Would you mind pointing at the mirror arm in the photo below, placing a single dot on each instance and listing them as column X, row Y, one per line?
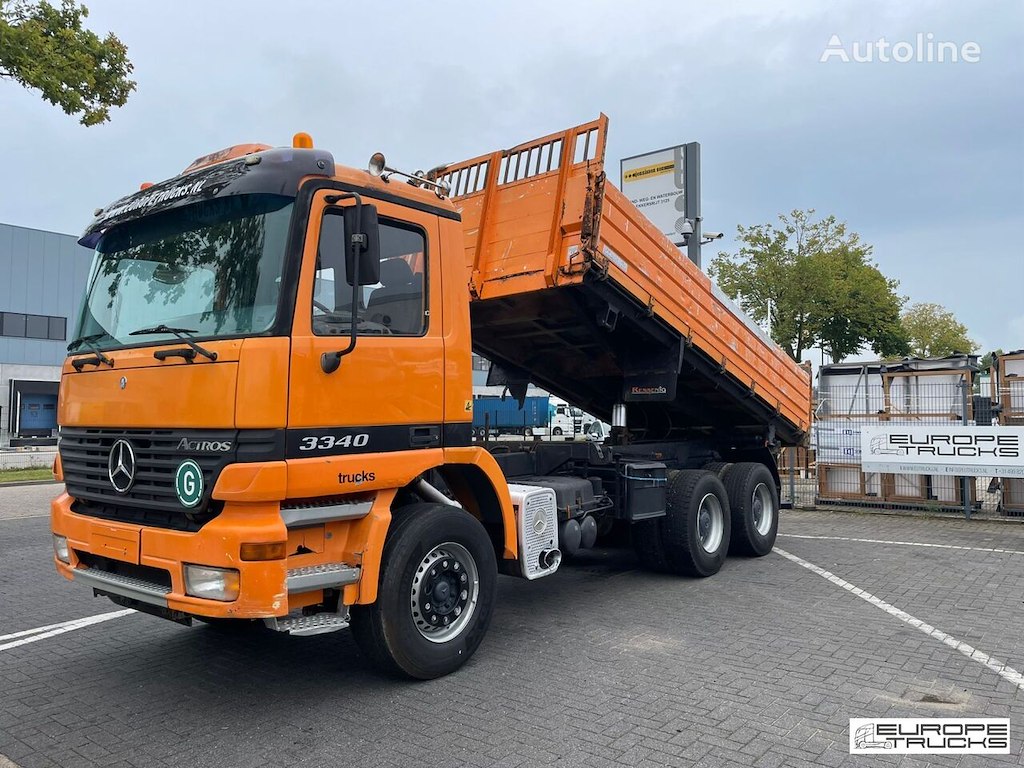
column 331, row 361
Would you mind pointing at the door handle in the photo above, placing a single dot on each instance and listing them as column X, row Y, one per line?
column 423, row 437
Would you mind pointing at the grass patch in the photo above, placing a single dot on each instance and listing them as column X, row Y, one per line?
column 20, row 475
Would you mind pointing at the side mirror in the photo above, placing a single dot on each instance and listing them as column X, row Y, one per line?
column 364, row 233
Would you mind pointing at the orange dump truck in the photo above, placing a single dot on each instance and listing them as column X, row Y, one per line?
column 266, row 411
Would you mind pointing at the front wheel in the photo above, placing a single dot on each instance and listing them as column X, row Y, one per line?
column 436, row 594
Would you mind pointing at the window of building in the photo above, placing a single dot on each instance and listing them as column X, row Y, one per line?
column 37, row 326
column 481, row 363
column 395, row 306
column 18, row 325
column 13, row 324
column 58, row 328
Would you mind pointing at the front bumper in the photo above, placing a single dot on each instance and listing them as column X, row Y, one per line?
column 331, row 543
column 154, row 558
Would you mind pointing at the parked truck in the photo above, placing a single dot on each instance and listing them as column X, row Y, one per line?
column 494, row 415
column 267, row 407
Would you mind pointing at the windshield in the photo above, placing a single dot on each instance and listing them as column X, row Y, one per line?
column 213, row 268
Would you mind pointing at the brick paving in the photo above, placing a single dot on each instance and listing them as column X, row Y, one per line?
column 600, row 665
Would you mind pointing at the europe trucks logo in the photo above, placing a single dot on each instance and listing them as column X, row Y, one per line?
column 930, row 735
column 938, row 449
column 1005, row 446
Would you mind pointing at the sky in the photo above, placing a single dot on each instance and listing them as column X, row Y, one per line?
column 925, row 160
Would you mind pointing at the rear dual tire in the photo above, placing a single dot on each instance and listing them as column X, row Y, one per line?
column 692, row 539
column 754, row 502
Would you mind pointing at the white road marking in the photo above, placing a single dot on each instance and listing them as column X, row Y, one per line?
column 6, row 762
column 999, row 667
column 52, row 630
column 903, row 543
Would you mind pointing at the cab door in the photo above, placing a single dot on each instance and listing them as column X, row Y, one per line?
column 387, row 394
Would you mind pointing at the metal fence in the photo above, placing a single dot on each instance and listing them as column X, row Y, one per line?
column 829, row 472
column 24, row 456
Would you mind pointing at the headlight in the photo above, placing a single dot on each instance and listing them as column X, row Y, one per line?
column 211, row 583
column 60, row 548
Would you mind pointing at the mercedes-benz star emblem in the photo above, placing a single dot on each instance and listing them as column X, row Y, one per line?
column 121, row 466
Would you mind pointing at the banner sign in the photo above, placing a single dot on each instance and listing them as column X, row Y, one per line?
column 656, row 184
column 936, row 449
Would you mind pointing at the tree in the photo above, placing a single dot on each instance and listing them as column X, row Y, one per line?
column 46, row 48
column 986, row 361
column 935, row 332
column 822, row 288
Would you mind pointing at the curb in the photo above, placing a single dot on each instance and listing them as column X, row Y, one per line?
column 21, row 483
column 918, row 513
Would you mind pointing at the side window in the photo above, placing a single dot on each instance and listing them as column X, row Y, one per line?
column 394, row 306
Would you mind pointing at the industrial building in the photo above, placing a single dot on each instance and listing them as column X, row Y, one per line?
column 42, row 281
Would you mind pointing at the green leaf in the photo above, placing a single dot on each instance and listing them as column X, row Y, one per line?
column 934, row 331
column 821, row 285
column 46, row 48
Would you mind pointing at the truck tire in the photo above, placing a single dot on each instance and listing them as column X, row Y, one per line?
column 695, row 531
column 647, row 543
column 557, row 431
column 436, row 593
column 754, row 501
column 718, row 468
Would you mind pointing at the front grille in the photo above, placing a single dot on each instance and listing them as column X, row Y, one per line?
column 85, row 454
column 152, row 499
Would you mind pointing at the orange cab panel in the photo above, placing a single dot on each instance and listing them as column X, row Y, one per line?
column 171, row 395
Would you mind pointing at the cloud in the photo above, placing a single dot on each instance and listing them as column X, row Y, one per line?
column 924, row 160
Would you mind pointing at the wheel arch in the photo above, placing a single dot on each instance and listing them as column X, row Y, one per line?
column 477, row 483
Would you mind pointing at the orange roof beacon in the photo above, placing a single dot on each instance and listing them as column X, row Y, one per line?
column 266, row 411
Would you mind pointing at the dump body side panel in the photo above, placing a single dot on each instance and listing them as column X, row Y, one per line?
column 574, row 286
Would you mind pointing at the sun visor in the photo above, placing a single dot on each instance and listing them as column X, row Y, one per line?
column 273, row 171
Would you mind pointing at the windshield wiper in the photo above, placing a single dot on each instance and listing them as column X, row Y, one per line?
column 89, row 340
column 181, row 334
column 98, row 356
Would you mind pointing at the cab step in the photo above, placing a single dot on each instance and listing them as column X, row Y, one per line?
column 303, row 626
column 325, row 576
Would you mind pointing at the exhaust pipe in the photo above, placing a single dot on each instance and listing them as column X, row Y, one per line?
column 550, row 558
column 427, row 491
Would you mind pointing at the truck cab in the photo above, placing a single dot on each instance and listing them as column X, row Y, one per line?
column 197, row 486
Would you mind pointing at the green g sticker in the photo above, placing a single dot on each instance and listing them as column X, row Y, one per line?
column 188, row 482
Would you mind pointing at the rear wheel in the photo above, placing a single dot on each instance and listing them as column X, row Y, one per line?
column 754, row 501
column 693, row 537
column 436, row 594
column 697, row 527
column 718, row 468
